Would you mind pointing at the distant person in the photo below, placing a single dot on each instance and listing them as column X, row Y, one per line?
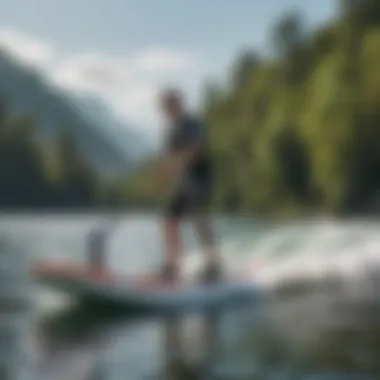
column 188, row 163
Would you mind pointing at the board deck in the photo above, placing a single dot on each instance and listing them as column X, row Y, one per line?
column 147, row 291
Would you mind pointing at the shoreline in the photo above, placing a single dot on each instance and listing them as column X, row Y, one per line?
column 270, row 216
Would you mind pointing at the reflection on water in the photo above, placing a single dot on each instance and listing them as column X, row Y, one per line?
column 303, row 330
column 179, row 364
column 310, row 326
column 78, row 333
column 14, row 312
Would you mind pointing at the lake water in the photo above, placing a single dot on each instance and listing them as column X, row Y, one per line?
column 267, row 340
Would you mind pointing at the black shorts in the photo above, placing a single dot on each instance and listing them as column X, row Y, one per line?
column 191, row 199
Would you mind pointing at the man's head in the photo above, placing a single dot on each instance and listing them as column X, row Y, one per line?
column 171, row 103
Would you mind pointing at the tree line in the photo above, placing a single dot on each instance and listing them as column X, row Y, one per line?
column 300, row 131
column 297, row 131
column 36, row 174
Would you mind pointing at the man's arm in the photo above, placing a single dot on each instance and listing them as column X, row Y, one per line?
column 173, row 164
column 183, row 157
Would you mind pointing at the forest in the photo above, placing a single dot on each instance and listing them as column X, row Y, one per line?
column 301, row 131
column 297, row 131
column 37, row 175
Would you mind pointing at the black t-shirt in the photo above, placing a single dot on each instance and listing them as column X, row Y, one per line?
column 181, row 136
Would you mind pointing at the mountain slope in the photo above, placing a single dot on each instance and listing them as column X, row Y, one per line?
column 109, row 145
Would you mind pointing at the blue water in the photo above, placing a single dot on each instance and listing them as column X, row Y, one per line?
column 268, row 252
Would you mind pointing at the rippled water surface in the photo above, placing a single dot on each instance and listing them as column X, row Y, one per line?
column 320, row 316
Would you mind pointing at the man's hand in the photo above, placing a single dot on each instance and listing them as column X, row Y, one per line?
column 179, row 161
column 166, row 171
column 169, row 169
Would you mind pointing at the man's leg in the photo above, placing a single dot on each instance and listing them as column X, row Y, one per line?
column 172, row 238
column 196, row 204
column 172, row 246
column 206, row 237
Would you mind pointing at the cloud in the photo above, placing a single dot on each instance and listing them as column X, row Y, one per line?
column 128, row 84
column 138, row 103
column 93, row 72
column 163, row 60
column 26, row 48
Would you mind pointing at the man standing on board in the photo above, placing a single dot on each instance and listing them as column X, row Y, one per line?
column 188, row 161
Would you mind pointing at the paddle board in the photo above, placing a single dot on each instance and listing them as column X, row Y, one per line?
column 145, row 291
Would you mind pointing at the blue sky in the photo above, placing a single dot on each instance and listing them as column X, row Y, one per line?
column 123, row 50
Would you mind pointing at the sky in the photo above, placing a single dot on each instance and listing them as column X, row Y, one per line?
column 124, row 51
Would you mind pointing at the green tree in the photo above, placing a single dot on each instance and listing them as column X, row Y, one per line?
column 77, row 181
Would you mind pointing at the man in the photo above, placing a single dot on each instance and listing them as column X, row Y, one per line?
column 188, row 161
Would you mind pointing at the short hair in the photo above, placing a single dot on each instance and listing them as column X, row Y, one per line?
column 171, row 95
